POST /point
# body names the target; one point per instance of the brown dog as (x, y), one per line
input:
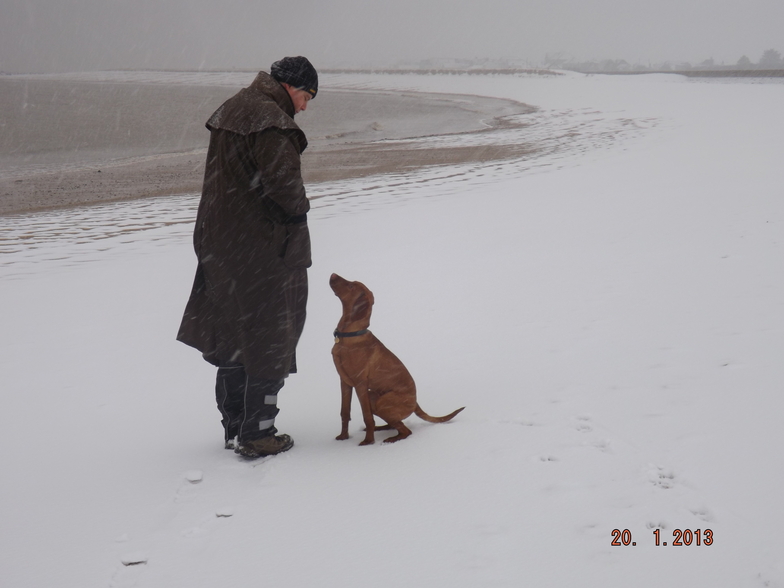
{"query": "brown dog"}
(384, 386)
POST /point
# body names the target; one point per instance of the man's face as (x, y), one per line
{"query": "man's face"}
(300, 98)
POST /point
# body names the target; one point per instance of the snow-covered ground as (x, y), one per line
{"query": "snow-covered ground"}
(610, 311)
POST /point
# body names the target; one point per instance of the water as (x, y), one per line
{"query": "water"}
(542, 140)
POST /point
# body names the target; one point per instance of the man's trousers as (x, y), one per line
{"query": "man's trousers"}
(248, 405)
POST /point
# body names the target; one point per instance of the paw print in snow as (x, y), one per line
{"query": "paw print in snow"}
(584, 424)
(661, 477)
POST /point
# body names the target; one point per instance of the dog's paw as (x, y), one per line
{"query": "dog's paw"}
(342, 437)
(367, 442)
(395, 439)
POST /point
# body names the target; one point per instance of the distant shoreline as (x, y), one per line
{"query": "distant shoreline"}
(543, 71)
(447, 71)
(698, 73)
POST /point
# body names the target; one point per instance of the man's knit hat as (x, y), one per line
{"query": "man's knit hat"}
(297, 72)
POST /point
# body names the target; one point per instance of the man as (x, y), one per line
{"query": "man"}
(247, 307)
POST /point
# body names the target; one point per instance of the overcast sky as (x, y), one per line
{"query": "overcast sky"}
(76, 35)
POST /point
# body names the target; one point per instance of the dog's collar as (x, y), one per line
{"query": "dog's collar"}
(339, 335)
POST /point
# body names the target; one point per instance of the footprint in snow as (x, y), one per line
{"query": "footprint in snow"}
(131, 569)
(602, 445)
(222, 513)
(185, 492)
(656, 525)
(519, 422)
(660, 477)
(546, 458)
(134, 558)
(194, 476)
(703, 514)
(584, 424)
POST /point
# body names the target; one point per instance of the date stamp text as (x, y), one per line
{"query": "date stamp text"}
(679, 538)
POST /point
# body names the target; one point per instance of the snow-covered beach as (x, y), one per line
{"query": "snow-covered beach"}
(608, 305)
(91, 138)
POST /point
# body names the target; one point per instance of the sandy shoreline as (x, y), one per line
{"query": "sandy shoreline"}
(72, 143)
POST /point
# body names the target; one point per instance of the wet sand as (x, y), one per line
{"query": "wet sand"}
(71, 143)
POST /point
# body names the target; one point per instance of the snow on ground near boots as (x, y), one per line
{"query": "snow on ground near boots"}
(611, 317)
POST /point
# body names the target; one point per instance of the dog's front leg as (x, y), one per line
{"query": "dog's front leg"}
(345, 410)
(367, 415)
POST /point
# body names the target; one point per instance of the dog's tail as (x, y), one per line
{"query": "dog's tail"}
(426, 417)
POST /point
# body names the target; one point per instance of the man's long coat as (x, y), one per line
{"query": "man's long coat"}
(251, 238)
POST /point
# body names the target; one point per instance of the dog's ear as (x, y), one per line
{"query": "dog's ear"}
(362, 306)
